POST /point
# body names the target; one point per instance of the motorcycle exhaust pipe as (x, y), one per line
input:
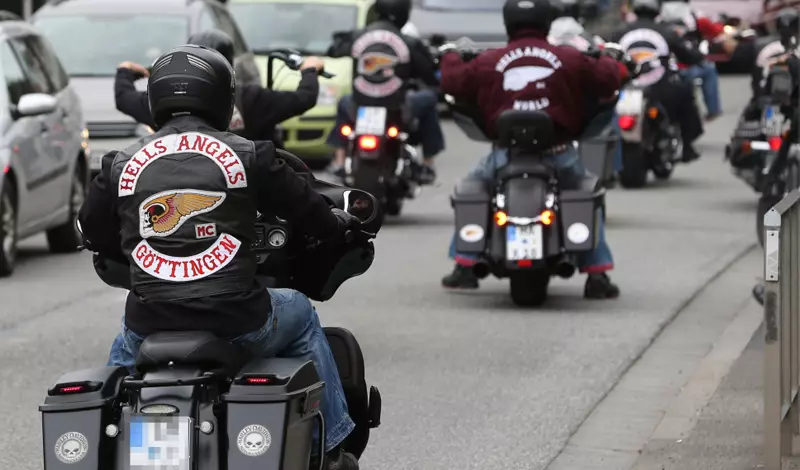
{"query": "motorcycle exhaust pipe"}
(480, 270)
(564, 269)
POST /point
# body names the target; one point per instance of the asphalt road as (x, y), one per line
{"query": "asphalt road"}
(468, 380)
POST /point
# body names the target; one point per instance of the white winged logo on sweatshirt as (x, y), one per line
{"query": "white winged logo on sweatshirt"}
(517, 78)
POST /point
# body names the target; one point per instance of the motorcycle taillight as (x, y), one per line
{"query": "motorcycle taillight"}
(368, 142)
(627, 122)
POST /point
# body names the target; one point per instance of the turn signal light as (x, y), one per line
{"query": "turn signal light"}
(775, 143)
(500, 218)
(368, 142)
(627, 122)
(347, 130)
(652, 113)
(393, 132)
(547, 217)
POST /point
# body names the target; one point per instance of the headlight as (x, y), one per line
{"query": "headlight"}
(328, 95)
(142, 130)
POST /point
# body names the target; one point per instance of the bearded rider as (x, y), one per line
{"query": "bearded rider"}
(572, 80)
(654, 43)
(192, 170)
(391, 16)
(258, 110)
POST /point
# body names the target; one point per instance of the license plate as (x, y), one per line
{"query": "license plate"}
(757, 145)
(773, 120)
(371, 120)
(158, 442)
(524, 242)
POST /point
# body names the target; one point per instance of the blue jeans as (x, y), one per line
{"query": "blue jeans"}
(423, 107)
(708, 72)
(292, 330)
(570, 171)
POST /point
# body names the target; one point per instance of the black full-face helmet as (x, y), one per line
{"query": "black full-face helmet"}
(536, 15)
(396, 12)
(788, 23)
(192, 80)
(214, 39)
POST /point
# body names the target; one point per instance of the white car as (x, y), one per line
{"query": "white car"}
(43, 145)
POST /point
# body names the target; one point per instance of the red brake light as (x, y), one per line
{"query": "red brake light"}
(627, 122)
(368, 142)
(72, 389)
(256, 380)
(524, 263)
(775, 143)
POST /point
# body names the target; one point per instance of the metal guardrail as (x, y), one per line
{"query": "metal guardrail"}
(782, 329)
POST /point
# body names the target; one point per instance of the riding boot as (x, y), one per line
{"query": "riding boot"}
(462, 277)
(599, 286)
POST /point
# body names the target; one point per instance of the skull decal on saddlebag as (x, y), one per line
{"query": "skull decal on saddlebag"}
(254, 440)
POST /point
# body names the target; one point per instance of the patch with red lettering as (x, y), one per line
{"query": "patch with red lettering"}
(164, 213)
(190, 268)
(205, 230)
(190, 142)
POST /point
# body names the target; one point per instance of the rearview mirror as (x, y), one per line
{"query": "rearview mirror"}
(361, 204)
(34, 104)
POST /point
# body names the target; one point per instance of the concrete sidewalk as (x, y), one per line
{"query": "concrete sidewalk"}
(728, 434)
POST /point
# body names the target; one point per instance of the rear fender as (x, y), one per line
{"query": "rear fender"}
(631, 103)
(471, 200)
(527, 198)
(580, 214)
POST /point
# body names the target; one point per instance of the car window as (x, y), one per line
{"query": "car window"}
(52, 66)
(94, 44)
(227, 24)
(307, 27)
(32, 67)
(14, 76)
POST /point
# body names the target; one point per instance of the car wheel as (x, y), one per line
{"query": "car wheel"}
(8, 229)
(65, 238)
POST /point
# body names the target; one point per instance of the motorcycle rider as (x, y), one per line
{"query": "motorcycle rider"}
(391, 16)
(787, 23)
(699, 28)
(652, 42)
(576, 80)
(186, 279)
(258, 110)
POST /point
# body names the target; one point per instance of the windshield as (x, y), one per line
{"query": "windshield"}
(307, 27)
(94, 45)
(463, 5)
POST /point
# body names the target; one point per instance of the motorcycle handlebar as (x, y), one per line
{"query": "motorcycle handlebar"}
(294, 60)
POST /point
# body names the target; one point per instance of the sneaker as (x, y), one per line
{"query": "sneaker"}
(462, 277)
(599, 286)
(427, 174)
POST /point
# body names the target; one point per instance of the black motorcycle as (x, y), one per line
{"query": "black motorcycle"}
(523, 225)
(203, 403)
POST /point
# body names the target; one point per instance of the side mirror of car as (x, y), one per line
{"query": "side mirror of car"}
(34, 104)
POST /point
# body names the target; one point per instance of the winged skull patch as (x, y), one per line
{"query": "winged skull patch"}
(164, 213)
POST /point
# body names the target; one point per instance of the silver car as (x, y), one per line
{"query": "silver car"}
(42, 145)
(92, 37)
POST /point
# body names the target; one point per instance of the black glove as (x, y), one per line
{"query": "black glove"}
(346, 220)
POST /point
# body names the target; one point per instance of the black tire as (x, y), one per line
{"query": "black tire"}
(765, 203)
(634, 166)
(8, 228)
(529, 288)
(65, 238)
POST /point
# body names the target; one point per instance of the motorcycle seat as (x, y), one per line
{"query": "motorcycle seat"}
(196, 348)
(527, 130)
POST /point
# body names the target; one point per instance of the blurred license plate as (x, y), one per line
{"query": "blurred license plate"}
(524, 242)
(160, 442)
(773, 120)
(371, 120)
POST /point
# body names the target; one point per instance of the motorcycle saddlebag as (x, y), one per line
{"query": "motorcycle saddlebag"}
(272, 409)
(581, 212)
(471, 201)
(74, 416)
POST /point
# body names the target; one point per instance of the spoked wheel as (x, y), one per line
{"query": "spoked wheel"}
(8, 229)
(634, 166)
(65, 238)
(529, 288)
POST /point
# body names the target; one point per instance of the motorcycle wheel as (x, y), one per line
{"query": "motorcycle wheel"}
(529, 288)
(663, 172)
(634, 166)
(765, 203)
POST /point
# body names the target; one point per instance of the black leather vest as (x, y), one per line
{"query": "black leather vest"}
(187, 211)
(381, 66)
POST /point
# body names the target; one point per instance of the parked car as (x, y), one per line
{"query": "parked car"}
(478, 20)
(306, 26)
(42, 145)
(92, 37)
